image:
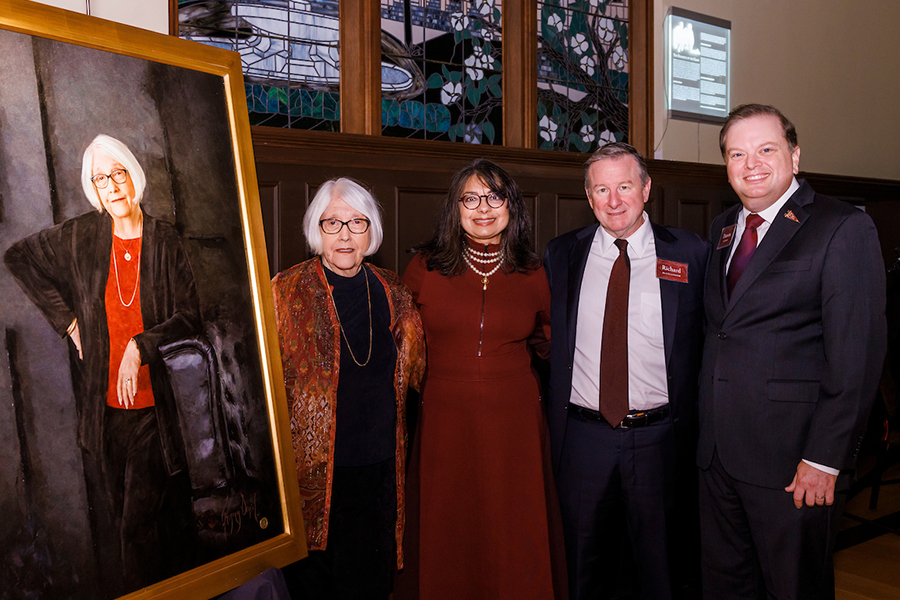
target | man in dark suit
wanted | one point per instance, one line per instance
(795, 301)
(627, 322)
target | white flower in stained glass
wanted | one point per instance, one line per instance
(607, 137)
(548, 128)
(473, 133)
(618, 59)
(451, 92)
(580, 44)
(484, 7)
(555, 21)
(459, 21)
(607, 30)
(477, 61)
(587, 63)
(587, 133)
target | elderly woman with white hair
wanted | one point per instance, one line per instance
(351, 345)
(118, 284)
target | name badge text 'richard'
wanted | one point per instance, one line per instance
(671, 270)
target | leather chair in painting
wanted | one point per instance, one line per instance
(194, 376)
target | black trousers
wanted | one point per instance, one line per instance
(757, 545)
(136, 479)
(610, 477)
(360, 554)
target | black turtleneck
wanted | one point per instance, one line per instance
(366, 405)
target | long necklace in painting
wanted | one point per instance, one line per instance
(137, 278)
(484, 258)
(127, 254)
(369, 298)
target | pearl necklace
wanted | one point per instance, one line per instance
(484, 258)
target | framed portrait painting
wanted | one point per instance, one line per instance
(144, 439)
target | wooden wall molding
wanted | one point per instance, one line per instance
(640, 80)
(520, 27)
(275, 145)
(360, 47)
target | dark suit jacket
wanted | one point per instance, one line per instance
(64, 271)
(682, 314)
(792, 360)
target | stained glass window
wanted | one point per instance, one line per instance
(441, 66)
(289, 51)
(582, 73)
(441, 70)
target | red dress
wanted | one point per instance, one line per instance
(483, 522)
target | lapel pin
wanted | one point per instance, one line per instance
(790, 215)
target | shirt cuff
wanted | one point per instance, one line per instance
(823, 468)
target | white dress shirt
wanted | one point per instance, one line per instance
(647, 381)
(769, 215)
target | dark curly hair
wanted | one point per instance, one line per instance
(444, 251)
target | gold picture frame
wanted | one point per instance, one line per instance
(180, 107)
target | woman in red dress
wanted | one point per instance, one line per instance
(485, 306)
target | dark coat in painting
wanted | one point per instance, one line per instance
(64, 271)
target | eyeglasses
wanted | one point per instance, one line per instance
(473, 201)
(333, 226)
(100, 180)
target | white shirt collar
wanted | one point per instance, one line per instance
(770, 213)
(638, 242)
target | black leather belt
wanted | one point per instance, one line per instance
(633, 420)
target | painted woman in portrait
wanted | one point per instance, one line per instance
(117, 284)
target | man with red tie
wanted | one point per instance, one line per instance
(627, 322)
(795, 341)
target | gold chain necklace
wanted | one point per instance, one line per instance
(127, 254)
(137, 279)
(369, 298)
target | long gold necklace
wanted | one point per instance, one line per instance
(369, 298)
(137, 279)
(125, 251)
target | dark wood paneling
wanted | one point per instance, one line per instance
(572, 212)
(268, 204)
(410, 177)
(415, 210)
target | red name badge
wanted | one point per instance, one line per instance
(672, 271)
(725, 238)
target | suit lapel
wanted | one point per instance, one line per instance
(719, 262)
(577, 260)
(780, 233)
(668, 290)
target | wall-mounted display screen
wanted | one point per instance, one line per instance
(698, 65)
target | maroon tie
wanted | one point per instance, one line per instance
(614, 344)
(744, 251)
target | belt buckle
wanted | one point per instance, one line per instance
(636, 420)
